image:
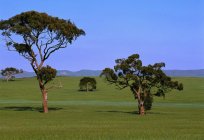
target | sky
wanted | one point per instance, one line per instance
(170, 31)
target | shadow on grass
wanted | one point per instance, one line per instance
(26, 108)
(129, 112)
(117, 111)
(14, 80)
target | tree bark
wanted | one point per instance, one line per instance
(44, 96)
(87, 87)
(8, 77)
(36, 69)
(44, 100)
(141, 108)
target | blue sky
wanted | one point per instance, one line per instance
(170, 31)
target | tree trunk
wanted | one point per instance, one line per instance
(87, 87)
(44, 98)
(7, 78)
(141, 108)
(36, 69)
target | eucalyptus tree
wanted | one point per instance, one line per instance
(36, 36)
(143, 81)
(10, 72)
(87, 84)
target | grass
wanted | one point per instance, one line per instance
(101, 115)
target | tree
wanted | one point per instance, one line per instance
(87, 84)
(144, 81)
(10, 72)
(36, 36)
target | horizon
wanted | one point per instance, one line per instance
(170, 32)
(101, 70)
(96, 73)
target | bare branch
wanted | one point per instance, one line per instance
(62, 44)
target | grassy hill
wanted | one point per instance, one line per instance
(104, 114)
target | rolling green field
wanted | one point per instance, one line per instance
(101, 115)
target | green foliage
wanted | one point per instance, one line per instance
(45, 32)
(36, 36)
(143, 81)
(148, 100)
(47, 74)
(87, 84)
(40, 35)
(22, 48)
(26, 23)
(10, 72)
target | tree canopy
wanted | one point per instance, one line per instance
(36, 36)
(47, 74)
(144, 81)
(87, 84)
(46, 33)
(10, 72)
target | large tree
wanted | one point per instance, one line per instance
(144, 81)
(10, 72)
(36, 36)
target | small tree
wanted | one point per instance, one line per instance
(87, 84)
(144, 81)
(36, 36)
(10, 72)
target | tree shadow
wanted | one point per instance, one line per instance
(27, 108)
(117, 111)
(12, 80)
(129, 112)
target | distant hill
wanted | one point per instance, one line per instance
(185, 73)
(79, 73)
(173, 73)
(26, 74)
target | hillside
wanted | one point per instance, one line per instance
(173, 73)
(185, 73)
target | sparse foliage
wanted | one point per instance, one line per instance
(144, 81)
(87, 84)
(10, 72)
(36, 36)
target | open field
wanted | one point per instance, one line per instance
(104, 114)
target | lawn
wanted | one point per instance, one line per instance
(105, 114)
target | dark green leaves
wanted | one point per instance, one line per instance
(87, 84)
(22, 48)
(36, 36)
(144, 80)
(47, 74)
(27, 22)
(45, 32)
(109, 74)
(10, 70)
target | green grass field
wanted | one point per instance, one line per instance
(105, 114)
